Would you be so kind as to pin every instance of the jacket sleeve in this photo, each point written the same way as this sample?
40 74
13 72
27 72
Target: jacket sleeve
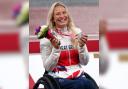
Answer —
83 55
50 55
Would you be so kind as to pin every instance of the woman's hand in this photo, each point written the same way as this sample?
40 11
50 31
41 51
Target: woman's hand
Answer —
55 43
82 40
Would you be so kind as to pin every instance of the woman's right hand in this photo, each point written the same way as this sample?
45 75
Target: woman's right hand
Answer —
55 42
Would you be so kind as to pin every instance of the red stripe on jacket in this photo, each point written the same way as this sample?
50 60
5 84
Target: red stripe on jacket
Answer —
68 57
74 75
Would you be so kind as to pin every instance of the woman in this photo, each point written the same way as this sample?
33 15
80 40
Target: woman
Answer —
64 61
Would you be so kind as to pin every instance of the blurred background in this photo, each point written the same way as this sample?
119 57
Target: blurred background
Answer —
113 28
14 30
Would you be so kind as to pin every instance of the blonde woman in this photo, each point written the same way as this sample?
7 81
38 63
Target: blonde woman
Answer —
64 61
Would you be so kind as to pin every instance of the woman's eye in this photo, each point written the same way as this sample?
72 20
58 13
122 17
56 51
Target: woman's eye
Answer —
57 13
64 12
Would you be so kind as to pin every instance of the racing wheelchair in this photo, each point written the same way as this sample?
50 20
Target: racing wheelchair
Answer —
51 83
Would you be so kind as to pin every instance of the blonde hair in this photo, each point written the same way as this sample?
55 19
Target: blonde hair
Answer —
51 24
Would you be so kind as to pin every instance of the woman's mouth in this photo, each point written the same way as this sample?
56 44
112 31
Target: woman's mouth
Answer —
62 20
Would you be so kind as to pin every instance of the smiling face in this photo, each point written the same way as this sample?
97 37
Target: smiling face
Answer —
60 17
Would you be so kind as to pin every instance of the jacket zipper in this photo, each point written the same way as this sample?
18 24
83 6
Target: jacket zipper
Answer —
69 59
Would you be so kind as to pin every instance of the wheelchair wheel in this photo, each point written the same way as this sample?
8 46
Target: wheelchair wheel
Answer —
48 81
53 81
43 82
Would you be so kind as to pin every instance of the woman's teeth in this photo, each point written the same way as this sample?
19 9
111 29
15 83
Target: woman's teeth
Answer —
61 20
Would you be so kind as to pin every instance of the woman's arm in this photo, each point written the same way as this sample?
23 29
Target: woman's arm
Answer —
83 55
50 55
82 48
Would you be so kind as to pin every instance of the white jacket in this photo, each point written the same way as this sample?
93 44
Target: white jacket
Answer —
66 61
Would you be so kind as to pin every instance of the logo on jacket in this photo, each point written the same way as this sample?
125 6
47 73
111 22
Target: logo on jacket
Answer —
66 47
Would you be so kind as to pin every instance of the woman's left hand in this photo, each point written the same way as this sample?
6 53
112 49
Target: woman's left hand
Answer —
82 40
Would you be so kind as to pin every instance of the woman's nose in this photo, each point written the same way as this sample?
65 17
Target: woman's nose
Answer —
61 15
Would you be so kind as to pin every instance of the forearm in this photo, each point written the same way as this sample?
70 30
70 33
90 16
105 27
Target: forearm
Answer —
51 61
83 55
50 55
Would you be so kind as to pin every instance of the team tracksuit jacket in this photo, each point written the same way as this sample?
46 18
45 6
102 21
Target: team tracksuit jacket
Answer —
66 61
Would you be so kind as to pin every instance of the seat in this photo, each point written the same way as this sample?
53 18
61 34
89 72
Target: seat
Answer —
50 83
